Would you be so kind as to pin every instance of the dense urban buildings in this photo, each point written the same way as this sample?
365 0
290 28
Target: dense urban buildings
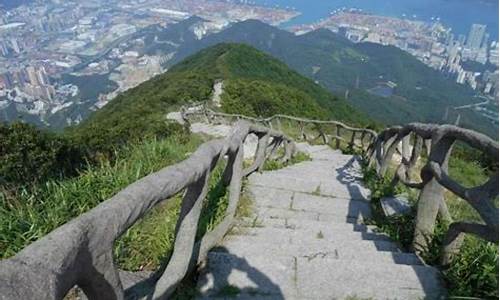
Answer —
47 47
57 55
471 60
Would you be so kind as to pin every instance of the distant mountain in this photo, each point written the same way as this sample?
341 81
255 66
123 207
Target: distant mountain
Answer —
385 82
255 84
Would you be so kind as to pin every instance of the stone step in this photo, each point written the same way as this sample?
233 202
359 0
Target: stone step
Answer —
366 279
332 206
269 197
337 159
272 198
331 157
255 221
340 163
346 187
316 278
326 172
308 148
342 252
226 274
356 231
308 243
241 296
306 240
332 172
325 232
281 213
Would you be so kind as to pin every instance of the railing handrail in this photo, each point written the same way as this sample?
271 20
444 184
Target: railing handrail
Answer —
439 141
80 251
205 110
201 109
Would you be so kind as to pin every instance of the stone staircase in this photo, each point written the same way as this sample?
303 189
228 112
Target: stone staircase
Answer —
307 241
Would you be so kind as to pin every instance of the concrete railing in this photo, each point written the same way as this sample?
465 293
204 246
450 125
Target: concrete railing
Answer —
326 130
438 141
80 253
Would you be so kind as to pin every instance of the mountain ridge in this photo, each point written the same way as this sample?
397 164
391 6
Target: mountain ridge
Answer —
255 84
358 70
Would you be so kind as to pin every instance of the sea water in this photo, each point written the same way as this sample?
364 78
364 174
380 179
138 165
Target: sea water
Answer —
457 14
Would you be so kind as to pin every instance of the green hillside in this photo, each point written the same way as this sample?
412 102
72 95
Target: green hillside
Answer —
255 84
420 93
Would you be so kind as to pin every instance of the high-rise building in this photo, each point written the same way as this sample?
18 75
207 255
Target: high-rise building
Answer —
15 45
42 76
476 35
4 51
461 77
493 57
461 39
32 75
486 40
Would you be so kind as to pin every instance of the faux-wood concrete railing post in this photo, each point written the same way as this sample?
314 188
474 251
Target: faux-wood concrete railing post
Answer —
212 238
289 151
431 198
389 152
362 139
338 133
302 132
275 145
428 146
415 155
103 281
278 122
186 228
378 151
481 199
351 142
405 148
260 155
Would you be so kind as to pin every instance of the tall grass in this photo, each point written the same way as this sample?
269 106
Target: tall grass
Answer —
33 212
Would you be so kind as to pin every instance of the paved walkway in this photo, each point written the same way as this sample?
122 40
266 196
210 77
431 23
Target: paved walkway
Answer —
307 241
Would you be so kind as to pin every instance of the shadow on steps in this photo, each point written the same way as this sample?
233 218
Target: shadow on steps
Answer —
428 276
217 286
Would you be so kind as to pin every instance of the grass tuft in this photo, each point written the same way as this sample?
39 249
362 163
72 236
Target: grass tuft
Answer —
272 165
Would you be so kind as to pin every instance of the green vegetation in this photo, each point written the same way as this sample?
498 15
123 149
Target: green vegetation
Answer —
474 271
47 179
59 176
317 191
29 155
299 157
90 86
229 291
257 84
263 99
422 94
149 243
34 211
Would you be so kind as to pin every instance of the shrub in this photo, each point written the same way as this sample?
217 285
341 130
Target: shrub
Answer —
29 155
37 210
